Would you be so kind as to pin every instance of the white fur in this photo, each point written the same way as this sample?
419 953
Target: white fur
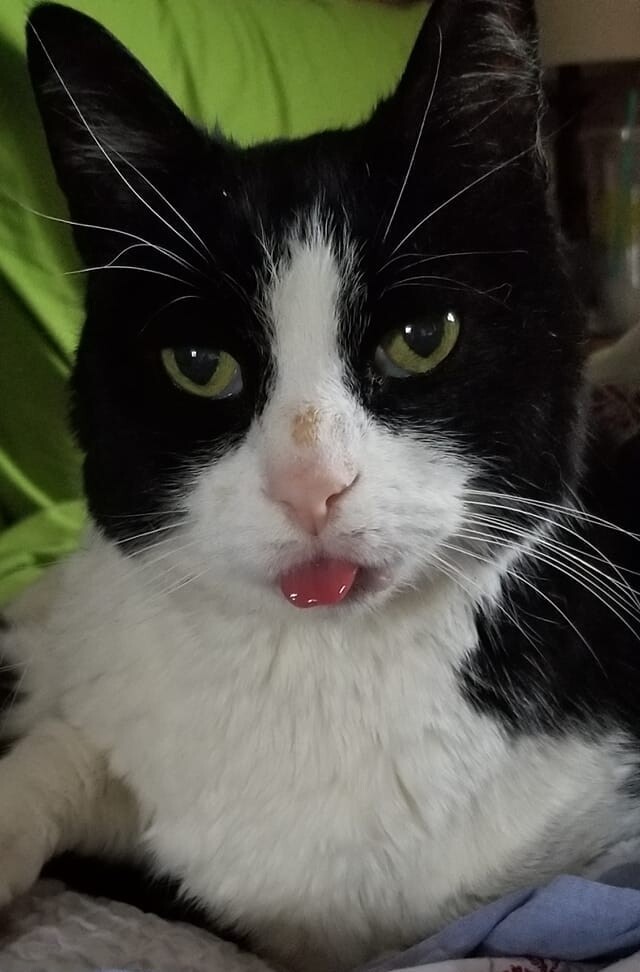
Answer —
315 775
57 793
501 42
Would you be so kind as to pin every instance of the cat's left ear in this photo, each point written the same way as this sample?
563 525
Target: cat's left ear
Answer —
473 78
102 112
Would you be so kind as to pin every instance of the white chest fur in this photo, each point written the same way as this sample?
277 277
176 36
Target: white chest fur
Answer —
322 782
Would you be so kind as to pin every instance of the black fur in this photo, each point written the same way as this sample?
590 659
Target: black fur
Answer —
509 394
542 671
138 886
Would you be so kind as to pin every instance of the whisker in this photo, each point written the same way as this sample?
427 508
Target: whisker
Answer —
574 553
157 273
557 523
458 285
144 516
418 139
516 623
613 588
160 249
461 192
239 290
556 507
176 300
173 209
233 283
443 256
592 587
101 148
95 226
428 286
146 533
523 580
186 579
454 573
461 284
140 555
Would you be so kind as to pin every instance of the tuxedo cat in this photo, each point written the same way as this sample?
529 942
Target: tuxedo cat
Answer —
342 651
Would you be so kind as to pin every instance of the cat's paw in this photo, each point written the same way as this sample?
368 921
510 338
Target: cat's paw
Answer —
22 857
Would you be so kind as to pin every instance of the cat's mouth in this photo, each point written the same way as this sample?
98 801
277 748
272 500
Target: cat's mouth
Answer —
328 581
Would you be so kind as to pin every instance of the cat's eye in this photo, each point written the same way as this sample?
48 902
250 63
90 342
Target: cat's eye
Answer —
203 371
419 346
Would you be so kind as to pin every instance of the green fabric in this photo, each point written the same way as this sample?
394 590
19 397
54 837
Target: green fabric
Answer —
259 68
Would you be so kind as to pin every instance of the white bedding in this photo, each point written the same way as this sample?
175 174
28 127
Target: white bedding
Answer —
55 930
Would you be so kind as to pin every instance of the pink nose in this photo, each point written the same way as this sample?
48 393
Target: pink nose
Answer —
308 492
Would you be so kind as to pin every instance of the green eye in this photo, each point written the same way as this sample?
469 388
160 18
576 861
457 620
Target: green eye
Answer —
203 372
418 347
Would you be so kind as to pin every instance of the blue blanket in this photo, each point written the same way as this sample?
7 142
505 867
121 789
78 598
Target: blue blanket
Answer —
571 919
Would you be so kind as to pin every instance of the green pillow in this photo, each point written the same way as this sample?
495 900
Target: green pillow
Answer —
258 68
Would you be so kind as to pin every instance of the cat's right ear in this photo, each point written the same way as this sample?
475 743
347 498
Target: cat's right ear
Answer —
107 122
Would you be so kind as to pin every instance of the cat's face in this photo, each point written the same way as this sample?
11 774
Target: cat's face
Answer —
320 348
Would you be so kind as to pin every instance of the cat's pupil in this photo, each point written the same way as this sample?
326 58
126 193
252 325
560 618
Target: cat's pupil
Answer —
197 364
424 337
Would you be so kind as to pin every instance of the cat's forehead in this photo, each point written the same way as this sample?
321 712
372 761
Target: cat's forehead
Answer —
278 192
305 293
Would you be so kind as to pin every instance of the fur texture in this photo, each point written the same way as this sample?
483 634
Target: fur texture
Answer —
357 774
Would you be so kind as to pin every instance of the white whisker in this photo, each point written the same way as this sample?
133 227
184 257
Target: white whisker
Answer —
176 300
146 533
461 192
567 550
165 555
454 574
555 507
106 155
614 588
597 590
108 266
186 579
444 256
160 249
523 580
144 516
173 209
421 281
428 286
105 229
418 139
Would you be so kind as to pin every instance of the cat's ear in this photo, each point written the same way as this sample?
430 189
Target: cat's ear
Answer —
474 76
106 120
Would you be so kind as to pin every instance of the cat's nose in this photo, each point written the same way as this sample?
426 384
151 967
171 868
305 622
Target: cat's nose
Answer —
308 493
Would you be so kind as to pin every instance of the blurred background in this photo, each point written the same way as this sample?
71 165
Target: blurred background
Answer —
591 52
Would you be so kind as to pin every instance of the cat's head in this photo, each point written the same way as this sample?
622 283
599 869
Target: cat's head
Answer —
318 359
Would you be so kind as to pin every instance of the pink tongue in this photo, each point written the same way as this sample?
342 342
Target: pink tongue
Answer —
319 584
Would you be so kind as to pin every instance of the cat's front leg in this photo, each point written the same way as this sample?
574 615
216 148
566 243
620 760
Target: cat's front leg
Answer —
56 794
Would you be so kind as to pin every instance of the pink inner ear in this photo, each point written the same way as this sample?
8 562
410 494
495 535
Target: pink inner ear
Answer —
319 584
